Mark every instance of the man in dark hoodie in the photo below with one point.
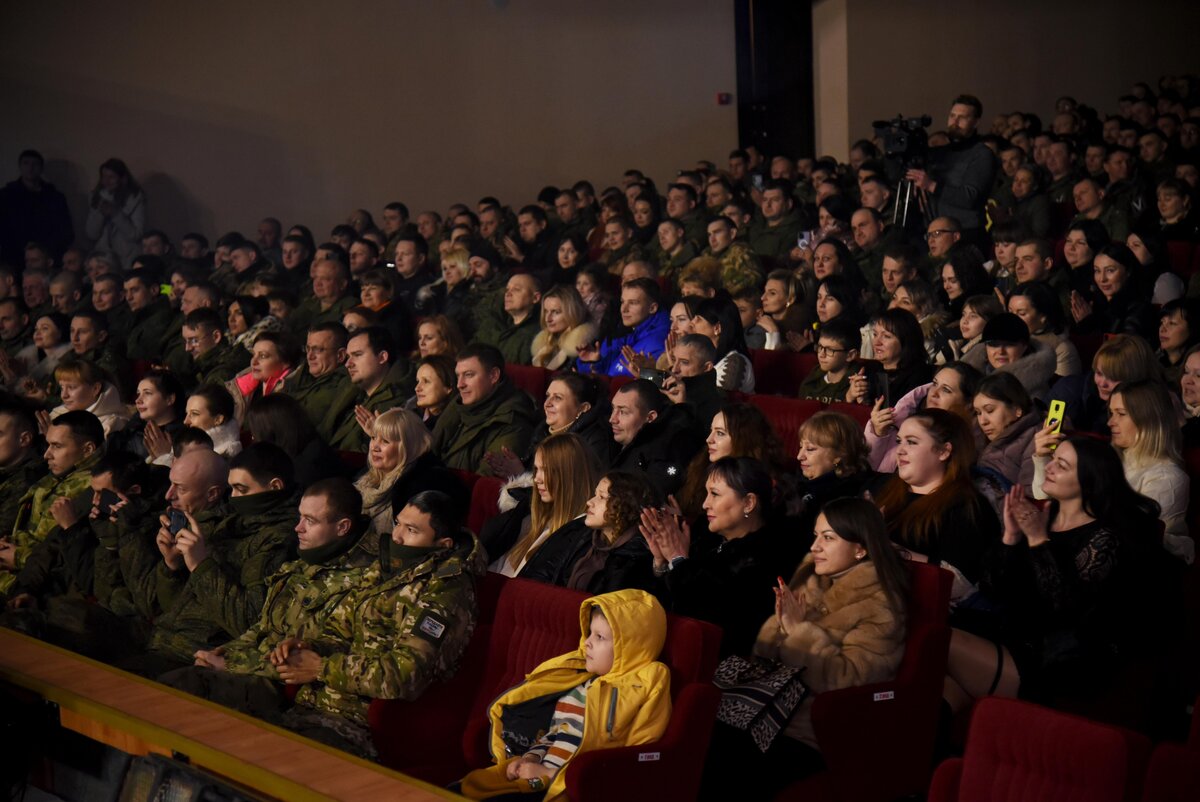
(657, 438)
(489, 415)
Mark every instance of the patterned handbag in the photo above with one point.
(758, 696)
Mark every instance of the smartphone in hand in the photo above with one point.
(178, 521)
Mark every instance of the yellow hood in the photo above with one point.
(639, 625)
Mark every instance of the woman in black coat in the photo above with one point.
(159, 402)
(429, 473)
(607, 552)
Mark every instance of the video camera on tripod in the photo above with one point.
(906, 147)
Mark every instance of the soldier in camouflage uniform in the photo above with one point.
(322, 382)
(404, 625)
(740, 268)
(210, 582)
(20, 463)
(212, 359)
(74, 443)
(90, 342)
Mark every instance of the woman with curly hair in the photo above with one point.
(610, 554)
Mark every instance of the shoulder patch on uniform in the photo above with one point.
(431, 627)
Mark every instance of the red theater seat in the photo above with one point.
(786, 416)
(528, 623)
(780, 372)
(1174, 774)
(1017, 750)
(617, 382)
(1181, 257)
(532, 380)
(1087, 345)
(889, 726)
(860, 412)
(468, 478)
(485, 495)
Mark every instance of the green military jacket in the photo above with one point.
(34, 521)
(779, 240)
(463, 435)
(175, 357)
(404, 627)
(248, 539)
(615, 261)
(149, 330)
(108, 359)
(126, 559)
(120, 323)
(60, 564)
(695, 228)
(516, 342)
(740, 268)
(15, 482)
(321, 396)
(220, 364)
(669, 267)
(393, 392)
(310, 314)
(488, 301)
(300, 597)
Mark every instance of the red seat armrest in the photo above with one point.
(944, 787)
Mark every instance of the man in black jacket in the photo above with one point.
(959, 176)
(657, 438)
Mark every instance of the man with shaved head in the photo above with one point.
(522, 299)
(201, 575)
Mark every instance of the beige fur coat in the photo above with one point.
(553, 358)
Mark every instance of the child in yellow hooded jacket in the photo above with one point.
(609, 692)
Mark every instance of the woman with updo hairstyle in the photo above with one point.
(1041, 310)
(566, 327)
(1178, 331)
(962, 277)
(738, 430)
(721, 579)
(932, 508)
(400, 464)
(1146, 433)
(610, 554)
(841, 620)
(784, 310)
(533, 532)
(210, 409)
(834, 462)
(435, 388)
(1116, 305)
(969, 347)
(117, 212)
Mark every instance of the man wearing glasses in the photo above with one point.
(959, 176)
(940, 236)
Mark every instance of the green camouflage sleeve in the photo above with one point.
(422, 641)
(41, 562)
(234, 595)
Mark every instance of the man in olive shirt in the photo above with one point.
(379, 378)
(330, 298)
(776, 234)
(522, 297)
(321, 382)
(214, 360)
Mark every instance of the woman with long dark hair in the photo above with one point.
(718, 319)
(117, 212)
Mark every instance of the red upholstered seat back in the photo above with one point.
(1174, 774)
(485, 496)
(786, 416)
(1016, 750)
(860, 412)
(1179, 256)
(532, 380)
(780, 372)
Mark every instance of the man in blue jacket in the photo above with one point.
(644, 329)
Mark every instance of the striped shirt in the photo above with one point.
(562, 740)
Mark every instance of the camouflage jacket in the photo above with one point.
(220, 364)
(34, 521)
(60, 564)
(225, 594)
(14, 483)
(740, 268)
(321, 397)
(126, 558)
(300, 597)
(398, 632)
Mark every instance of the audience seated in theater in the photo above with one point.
(438, 335)
(33, 367)
(834, 462)
(376, 293)
(897, 345)
(541, 513)
(108, 298)
(644, 331)
(565, 328)
(740, 267)
(719, 321)
(655, 437)
(919, 298)
(749, 304)
(280, 420)
(1177, 220)
(963, 276)
(672, 248)
(273, 358)
(841, 622)
(116, 212)
(84, 387)
(322, 382)
(485, 304)
(451, 294)
(774, 234)
(400, 465)
(213, 359)
(785, 315)
(570, 257)
(489, 414)
(15, 334)
(522, 310)
(1037, 304)
(150, 316)
(1178, 331)
(1003, 266)
(160, 406)
(74, 443)
(720, 579)
(21, 459)
(210, 409)
(380, 379)
(1121, 358)
(434, 389)
(932, 508)
(1031, 207)
(1012, 349)
(412, 275)
(837, 351)
(330, 293)
(1085, 239)
(1189, 384)
(590, 284)
(837, 299)
(35, 286)
(1064, 574)
(1117, 306)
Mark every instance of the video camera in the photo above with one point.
(905, 139)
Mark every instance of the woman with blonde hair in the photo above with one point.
(451, 294)
(400, 465)
(566, 326)
(784, 311)
(564, 475)
(1122, 358)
